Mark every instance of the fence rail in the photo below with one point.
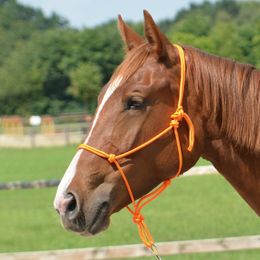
(63, 138)
(29, 185)
(132, 251)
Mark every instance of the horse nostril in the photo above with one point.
(72, 205)
(68, 206)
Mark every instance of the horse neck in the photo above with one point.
(222, 85)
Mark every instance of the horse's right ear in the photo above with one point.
(129, 36)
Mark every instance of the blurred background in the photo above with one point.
(55, 56)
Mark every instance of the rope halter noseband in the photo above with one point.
(176, 118)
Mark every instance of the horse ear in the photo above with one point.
(129, 36)
(155, 36)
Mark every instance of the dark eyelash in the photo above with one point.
(134, 103)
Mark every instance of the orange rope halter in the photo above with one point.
(176, 117)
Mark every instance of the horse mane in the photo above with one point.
(230, 91)
(230, 95)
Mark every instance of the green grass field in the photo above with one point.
(196, 207)
(38, 163)
(34, 164)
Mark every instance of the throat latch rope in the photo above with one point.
(176, 119)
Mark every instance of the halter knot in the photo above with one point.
(111, 158)
(138, 218)
(177, 117)
(178, 114)
(174, 123)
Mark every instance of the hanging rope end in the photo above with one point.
(191, 132)
(191, 139)
(190, 147)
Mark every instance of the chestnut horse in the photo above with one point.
(222, 98)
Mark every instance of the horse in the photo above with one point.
(130, 148)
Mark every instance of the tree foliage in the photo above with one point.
(227, 28)
(86, 80)
(48, 67)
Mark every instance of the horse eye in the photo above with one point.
(134, 103)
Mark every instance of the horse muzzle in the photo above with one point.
(87, 219)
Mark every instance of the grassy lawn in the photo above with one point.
(197, 207)
(34, 164)
(38, 163)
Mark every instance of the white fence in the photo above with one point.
(132, 251)
(61, 135)
(41, 140)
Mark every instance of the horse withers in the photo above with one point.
(222, 100)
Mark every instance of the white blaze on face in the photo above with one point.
(71, 171)
(110, 90)
(66, 180)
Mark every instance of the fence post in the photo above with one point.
(67, 136)
(32, 137)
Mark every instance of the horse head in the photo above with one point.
(135, 105)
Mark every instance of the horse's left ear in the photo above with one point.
(129, 36)
(155, 36)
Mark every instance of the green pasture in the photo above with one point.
(196, 207)
(34, 164)
(38, 163)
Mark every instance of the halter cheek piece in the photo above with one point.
(176, 118)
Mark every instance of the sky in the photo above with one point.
(88, 13)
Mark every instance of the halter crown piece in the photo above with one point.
(176, 118)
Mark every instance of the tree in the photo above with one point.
(48, 67)
(227, 28)
(33, 74)
(256, 49)
(86, 81)
(19, 23)
(102, 46)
